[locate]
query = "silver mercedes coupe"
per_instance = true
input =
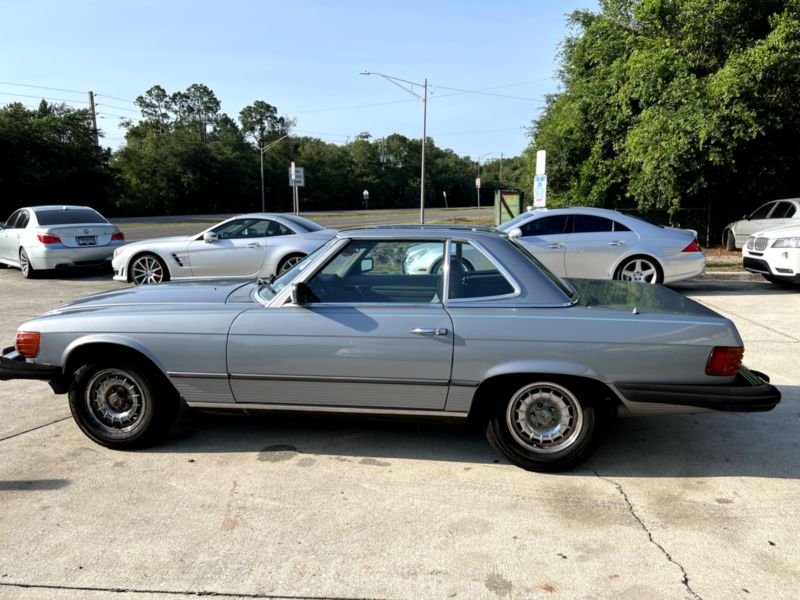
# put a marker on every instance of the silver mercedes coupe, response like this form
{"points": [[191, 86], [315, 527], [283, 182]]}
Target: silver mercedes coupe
{"points": [[542, 363]]}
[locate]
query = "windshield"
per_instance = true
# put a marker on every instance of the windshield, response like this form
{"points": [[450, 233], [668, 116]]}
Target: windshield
{"points": [[303, 223], [68, 216], [268, 292], [520, 218]]}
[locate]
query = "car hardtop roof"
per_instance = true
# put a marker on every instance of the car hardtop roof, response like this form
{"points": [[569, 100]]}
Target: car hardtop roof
{"points": [[58, 207], [421, 232], [583, 209]]}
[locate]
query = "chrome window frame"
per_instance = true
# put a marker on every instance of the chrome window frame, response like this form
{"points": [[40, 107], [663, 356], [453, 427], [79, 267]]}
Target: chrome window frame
{"points": [[488, 255]]}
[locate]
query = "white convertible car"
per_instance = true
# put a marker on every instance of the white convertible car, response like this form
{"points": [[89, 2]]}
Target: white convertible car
{"points": [[251, 245]]}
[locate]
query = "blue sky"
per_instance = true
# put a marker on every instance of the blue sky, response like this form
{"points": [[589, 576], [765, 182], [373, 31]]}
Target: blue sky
{"points": [[303, 57]]}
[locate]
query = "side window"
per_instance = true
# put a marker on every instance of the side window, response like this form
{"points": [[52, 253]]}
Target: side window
{"points": [[591, 224], [276, 229], [620, 227], [377, 271], [10, 221], [545, 226], [472, 275], [22, 220], [762, 211], [784, 210], [242, 228]]}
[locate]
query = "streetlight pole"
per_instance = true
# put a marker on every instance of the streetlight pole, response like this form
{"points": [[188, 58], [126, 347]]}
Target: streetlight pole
{"points": [[262, 150], [424, 97]]}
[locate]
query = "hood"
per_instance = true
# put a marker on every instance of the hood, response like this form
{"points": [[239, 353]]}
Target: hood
{"points": [[163, 240], [645, 297], [183, 292], [782, 231]]}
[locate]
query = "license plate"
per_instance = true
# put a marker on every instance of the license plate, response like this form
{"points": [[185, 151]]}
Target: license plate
{"points": [[86, 240]]}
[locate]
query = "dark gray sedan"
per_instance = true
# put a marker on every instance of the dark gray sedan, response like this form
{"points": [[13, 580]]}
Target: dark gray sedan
{"points": [[541, 362]]}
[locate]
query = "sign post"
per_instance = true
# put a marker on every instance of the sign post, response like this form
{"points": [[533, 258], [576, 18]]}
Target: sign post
{"points": [[297, 178], [540, 181]]}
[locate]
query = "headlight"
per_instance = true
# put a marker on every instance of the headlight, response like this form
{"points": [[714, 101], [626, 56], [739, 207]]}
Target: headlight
{"points": [[790, 242]]}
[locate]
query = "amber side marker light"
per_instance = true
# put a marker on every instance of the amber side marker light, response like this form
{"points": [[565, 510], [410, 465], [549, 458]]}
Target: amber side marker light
{"points": [[725, 360], [27, 343]]}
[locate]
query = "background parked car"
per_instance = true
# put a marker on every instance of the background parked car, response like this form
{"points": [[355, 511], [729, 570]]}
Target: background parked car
{"points": [[37, 238], [594, 243], [772, 214], [775, 254], [256, 244]]}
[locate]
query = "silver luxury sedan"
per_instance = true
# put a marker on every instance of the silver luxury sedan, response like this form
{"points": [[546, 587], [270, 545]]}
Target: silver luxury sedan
{"points": [[540, 362], [39, 238], [247, 246]]}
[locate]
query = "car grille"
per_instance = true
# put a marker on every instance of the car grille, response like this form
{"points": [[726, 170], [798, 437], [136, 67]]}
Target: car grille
{"points": [[759, 244]]}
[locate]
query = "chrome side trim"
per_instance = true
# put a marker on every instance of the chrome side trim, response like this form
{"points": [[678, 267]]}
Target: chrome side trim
{"points": [[330, 409], [179, 374], [465, 383], [333, 379], [503, 271]]}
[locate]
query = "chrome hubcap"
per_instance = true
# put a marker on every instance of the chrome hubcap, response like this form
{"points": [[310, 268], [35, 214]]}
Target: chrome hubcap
{"points": [[544, 417], [146, 270], [114, 400], [639, 270]]}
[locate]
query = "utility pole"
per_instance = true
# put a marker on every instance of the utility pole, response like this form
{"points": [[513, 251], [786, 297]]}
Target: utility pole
{"points": [[94, 118]]}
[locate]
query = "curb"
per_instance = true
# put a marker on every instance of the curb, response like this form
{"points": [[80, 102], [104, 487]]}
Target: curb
{"points": [[730, 276]]}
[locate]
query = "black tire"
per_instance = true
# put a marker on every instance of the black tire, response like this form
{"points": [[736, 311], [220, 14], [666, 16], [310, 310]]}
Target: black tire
{"points": [[25, 266], [730, 240], [544, 426], [287, 262], [641, 268], [147, 269], [436, 267], [122, 404]]}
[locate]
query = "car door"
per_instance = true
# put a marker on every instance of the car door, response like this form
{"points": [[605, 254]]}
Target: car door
{"points": [[239, 250], [782, 214], [758, 220], [546, 238], [369, 337], [9, 238], [595, 245]]}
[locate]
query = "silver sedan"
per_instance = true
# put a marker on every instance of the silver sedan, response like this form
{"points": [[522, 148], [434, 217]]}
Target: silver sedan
{"points": [[596, 243], [541, 363], [39, 238], [251, 245]]}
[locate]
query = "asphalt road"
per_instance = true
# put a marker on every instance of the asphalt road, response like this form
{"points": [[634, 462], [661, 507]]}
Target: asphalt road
{"points": [[703, 506]]}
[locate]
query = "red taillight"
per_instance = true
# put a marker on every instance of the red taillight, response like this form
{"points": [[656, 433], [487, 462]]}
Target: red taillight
{"points": [[693, 247], [27, 343], [47, 238], [724, 360], [117, 236]]}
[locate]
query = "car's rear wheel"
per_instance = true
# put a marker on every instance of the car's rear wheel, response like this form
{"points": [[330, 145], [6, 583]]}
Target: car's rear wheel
{"points": [[28, 272], [642, 269], [114, 404], [730, 240], [147, 269], [544, 426], [289, 261]]}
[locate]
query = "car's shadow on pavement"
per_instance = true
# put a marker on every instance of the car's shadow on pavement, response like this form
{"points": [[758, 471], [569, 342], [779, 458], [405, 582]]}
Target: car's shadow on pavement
{"points": [[702, 287], [701, 445]]}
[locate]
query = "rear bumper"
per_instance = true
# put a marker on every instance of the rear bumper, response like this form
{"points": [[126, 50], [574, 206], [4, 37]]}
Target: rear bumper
{"points": [[750, 392], [14, 366], [55, 258]]}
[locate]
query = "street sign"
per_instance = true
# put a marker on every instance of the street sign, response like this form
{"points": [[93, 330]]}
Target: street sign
{"points": [[540, 191], [478, 182], [299, 177]]}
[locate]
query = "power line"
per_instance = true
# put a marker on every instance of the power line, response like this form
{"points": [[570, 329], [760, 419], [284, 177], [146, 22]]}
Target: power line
{"points": [[133, 110], [46, 98], [41, 87], [115, 98]]}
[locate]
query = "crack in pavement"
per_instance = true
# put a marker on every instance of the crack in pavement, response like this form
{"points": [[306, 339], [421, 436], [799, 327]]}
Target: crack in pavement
{"points": [[13, 435], [201, 593], [632, 511]]}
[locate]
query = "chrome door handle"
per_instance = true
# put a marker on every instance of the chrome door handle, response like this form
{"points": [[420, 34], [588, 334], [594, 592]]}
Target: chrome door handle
{"points": [[556, 246], [254, 245], [617, 243], [421, 331]]}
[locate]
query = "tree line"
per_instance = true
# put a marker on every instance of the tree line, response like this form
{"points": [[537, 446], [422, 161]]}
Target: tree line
{"points": [[184, 155]]}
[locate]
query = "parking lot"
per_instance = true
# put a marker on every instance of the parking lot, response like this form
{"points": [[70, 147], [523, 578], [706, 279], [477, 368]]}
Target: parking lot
{"points": [[699, 506]]}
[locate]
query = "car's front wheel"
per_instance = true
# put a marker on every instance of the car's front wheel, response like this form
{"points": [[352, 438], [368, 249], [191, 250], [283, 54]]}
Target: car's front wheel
{"points": [[730, 240], [544, 426], [115, 404], [641, 269], [146, 269]]}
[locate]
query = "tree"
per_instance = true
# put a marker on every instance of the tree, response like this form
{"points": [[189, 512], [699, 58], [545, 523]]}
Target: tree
{"points": [[674, 104]]}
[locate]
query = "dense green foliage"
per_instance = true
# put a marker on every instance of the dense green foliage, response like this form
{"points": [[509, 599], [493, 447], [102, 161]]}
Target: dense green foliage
{"points": [[185, 156], [675, 104], [49, 155]]}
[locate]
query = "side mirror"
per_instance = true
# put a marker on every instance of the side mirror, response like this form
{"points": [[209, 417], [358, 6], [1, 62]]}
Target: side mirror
{"points": [[299, 294], [515, 233], [209, 237], [367, 265]]}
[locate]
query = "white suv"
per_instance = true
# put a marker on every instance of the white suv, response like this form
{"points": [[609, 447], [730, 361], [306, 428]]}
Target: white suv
{"points": [[775, 254]]}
